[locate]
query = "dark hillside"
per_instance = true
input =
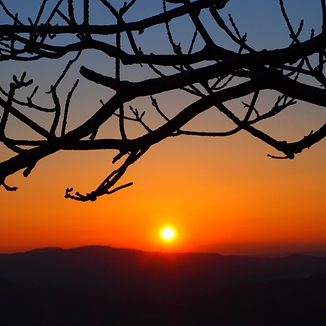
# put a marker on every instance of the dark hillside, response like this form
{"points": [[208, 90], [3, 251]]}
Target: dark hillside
{"points": [[123, 269], [107, 286]]}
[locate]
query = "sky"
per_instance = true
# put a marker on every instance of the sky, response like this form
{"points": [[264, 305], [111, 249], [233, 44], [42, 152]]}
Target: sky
{"points": [[218, 194]]}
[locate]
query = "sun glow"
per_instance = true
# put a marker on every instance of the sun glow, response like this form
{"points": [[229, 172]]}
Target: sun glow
{"points": [[168, 233]]}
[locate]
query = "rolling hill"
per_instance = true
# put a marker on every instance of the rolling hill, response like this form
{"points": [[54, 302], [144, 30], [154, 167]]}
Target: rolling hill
{"points": [[98, 285]]}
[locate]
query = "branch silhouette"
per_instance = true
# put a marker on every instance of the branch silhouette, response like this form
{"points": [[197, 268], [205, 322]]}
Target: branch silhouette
{"points": [[210, 73]]}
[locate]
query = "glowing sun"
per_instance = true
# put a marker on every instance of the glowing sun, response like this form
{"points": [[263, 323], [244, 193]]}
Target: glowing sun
{"points": [[167, 233]]}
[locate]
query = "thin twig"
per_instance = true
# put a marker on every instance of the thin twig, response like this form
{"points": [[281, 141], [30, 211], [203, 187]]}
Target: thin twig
{"points": [[67, 105]]}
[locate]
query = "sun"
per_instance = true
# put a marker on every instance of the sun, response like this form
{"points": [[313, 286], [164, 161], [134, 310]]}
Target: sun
{"points": [[167, 233]]}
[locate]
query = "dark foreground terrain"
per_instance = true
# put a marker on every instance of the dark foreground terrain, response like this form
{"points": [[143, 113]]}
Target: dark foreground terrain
{"points": [[107, 286]]}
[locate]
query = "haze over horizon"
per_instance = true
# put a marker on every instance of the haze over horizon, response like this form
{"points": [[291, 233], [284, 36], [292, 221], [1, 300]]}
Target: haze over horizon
{"points": [[224, 249]]}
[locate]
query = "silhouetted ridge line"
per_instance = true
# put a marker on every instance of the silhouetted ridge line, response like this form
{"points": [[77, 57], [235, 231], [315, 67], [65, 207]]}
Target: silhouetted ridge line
{"points": [[98, 285], [127, 270]]}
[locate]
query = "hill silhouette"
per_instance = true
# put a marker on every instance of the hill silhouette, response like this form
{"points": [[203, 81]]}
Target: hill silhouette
{"points": [[98, 285]]}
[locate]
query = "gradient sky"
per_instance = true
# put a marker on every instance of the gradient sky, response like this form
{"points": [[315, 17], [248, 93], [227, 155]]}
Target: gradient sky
{"points": [[212, 191]]}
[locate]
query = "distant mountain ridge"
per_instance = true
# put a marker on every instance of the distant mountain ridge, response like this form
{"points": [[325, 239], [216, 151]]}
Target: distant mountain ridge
{"points": [[98, 285], [264, 249], [125, 269]]}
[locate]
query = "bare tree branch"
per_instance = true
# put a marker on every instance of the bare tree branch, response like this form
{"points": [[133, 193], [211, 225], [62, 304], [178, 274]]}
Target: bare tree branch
{"points": [[206, 72]]}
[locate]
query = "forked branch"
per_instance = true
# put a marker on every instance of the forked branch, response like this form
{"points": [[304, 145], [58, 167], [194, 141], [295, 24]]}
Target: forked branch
{"points": [[206, 73]]}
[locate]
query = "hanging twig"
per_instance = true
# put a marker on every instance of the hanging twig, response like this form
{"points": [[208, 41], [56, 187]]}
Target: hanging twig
{"points": [[71, 13], [86, 12], [67, 105]]}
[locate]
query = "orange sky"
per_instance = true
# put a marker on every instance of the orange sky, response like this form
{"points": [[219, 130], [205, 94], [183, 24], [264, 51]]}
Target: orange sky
{"points": [[212, 191], [209, 191]]}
